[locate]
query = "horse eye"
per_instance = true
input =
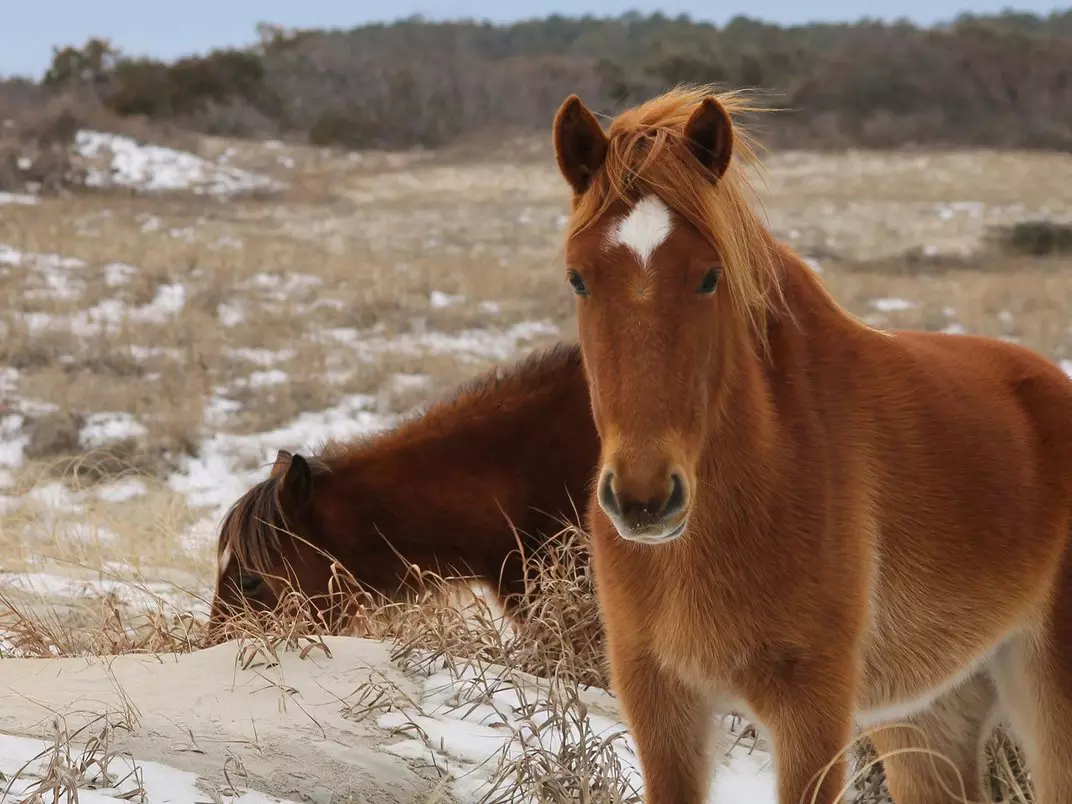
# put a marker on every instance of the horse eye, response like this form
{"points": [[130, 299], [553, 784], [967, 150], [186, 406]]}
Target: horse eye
{"points": [[709, 283], [577, 283], [251, 584]]}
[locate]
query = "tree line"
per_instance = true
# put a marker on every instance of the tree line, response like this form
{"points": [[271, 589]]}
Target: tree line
{"points": [[997, 81]]}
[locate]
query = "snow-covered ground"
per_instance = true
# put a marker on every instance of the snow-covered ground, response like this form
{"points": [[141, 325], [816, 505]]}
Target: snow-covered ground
{"points": [[154, 168], [353, 719]]}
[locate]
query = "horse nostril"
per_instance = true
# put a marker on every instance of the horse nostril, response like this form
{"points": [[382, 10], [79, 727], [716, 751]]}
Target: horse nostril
{"points": [[676, 501], [607, 498]]}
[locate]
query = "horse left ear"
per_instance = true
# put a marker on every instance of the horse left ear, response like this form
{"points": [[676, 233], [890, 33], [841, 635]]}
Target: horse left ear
{"points": [[282, 461], [296, 487], [580, 144], [709, 134]]}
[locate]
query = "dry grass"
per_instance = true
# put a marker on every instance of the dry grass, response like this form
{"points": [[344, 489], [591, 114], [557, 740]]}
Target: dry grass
{"points": [[555, 755], [395, 276], [76, 760]]}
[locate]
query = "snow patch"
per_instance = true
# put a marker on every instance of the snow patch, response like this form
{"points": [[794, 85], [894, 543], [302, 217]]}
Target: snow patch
{"points": [[483, 344], [102, 429], [892, 305], [122, 490], [24, 761], [438, 299], [228, 464], [154, 168], [19, 199], [470, 739]]}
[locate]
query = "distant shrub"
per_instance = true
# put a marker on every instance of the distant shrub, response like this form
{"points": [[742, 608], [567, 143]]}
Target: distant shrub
{"points": [[1037, 238], [158, 90], [333, 128]]}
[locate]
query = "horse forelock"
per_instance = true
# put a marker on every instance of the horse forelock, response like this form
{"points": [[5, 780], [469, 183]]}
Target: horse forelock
{"points": [[251, 528], [647, 155]]}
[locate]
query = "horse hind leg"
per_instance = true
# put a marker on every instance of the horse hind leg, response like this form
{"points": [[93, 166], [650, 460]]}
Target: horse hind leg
{"points": [[937, 756], [1034, 679]]}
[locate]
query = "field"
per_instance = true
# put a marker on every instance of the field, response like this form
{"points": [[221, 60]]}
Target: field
{"points": [[166, 330]]}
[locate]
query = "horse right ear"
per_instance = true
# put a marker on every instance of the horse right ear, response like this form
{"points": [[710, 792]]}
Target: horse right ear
{"points": [[580, 144], [296, 485]]}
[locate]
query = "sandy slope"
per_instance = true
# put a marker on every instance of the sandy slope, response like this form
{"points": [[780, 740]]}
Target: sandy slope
{"points": [[291, 726], [284, 723]]}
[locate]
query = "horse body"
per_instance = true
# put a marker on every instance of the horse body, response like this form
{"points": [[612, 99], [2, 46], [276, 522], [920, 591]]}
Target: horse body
{"points": [[882, 521], [462, 489], [812, 521]]}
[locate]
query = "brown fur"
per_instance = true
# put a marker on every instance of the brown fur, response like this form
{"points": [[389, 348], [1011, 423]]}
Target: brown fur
{"points": [[446, 490], [865, 519]]}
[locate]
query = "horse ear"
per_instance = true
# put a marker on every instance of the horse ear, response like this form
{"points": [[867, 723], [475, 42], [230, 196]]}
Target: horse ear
{"points": [[709, 134], [580, 144], [282, 461], [296, 486]]}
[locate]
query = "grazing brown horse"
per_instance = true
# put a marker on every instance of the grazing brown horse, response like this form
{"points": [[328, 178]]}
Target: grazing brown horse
{"points": [[798, 516], [515, 450]]}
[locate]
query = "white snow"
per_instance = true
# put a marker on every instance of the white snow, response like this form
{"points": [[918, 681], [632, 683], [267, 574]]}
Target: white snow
{"points": [[281, 286], [53, 272], [469, 725], [438, 299], [155, 168], [260, 357], [12, 440], [122, 490], [262, 379], [105, 428], [109, 315], [230, 314], [9, 380], [892, 305], [24, 764], [167, 302], [228, 464], [19, 199], [143, 595], [118, 273], [482, 344]]}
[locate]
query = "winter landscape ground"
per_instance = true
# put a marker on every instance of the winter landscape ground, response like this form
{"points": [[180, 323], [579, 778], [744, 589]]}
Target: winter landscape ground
{"points": [[195, 309]]}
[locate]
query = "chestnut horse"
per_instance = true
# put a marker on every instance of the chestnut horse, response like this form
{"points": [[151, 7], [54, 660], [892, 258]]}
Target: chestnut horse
{"points": [[797, 516], [515, 450]]}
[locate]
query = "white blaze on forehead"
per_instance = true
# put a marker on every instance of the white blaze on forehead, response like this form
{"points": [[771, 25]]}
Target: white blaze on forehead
{"points": [[643, 228], [225, 559]]}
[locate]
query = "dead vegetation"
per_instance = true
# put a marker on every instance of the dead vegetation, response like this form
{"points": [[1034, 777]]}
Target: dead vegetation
{"points": [[554, 755]]}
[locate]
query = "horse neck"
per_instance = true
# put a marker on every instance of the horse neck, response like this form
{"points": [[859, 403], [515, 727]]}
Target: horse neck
{"points": [[450, 495], [744, 430], [748, 429]]}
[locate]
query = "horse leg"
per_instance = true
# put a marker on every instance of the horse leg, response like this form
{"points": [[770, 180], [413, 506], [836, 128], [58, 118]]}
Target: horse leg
{"points": [[806, 707], [955, 728], [1034, 679], [672, 725]]}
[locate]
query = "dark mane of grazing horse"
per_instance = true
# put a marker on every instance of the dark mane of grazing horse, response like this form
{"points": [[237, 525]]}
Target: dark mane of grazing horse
{"points": [[504, 463]]}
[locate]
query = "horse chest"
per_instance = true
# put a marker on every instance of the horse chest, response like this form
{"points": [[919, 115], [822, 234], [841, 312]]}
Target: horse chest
{"points": [[693, 632]]}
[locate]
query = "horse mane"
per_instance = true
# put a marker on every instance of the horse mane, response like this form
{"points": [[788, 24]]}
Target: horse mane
{"points": [[526, 376], [252, 525], [484, 394], [646, 154]]}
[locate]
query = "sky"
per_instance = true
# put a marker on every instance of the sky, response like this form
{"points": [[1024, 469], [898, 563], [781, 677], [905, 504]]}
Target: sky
{"points": [[31, 28]]}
